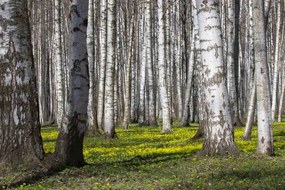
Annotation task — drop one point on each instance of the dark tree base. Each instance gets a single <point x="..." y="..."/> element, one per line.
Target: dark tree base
<point x="221" y="150"/>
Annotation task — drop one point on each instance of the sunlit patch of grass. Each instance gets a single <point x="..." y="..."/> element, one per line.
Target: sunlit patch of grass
<point x="49" y="135"/>
<point x="148" y="141"/>
<point x="139" y="141"/>
<point x="143" y="158"/>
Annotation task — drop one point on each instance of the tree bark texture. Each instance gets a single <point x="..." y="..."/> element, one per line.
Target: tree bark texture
<point x="217" y="115"/>
<point x="69" y="145"/>
<point x="20" y="136"/>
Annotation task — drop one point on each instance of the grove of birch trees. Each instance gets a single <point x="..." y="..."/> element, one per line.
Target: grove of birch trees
<point x="92" y="66"/>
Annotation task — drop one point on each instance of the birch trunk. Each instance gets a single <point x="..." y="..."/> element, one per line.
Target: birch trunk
<point x="191" y="60"/>
<point x="102" y="67"/>
<point x="150" y="77"/>
<point x="164" y="99"/>
<point x="20" y="136"/>
<point x="250" y="115"/>
<point x="131" y="25"/>
<point x="58" y="68"/>
<point x="219" y="138"/>
<point x="91" y="46"/>
<point x="276" y="62"/>
<point x="109" y="114"/>
<point x="265" y="138"/>
<point x="69" y="145"/>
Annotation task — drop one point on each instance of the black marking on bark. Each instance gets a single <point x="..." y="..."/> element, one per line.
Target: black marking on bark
<point x="76" y="29"/>
<point x="262" y="140"/>
<point x="73" y="9"/>
<point x="3" y="6"/>
<point x="76" y="66"/>
<point x="85" y="22"/>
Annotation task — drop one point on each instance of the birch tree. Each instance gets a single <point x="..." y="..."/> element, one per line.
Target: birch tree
<point x="69" y="145"/>
<point x="102" y="63"/>
<point x="109" y="124"/>
<point x="92" y="49"/>
<point x="20" y="136"/>
<point x="164" y="99"/>
<point x="276" y="60"/>
<point x="218" y="125"/>
<point x="265" y="138"/>
<point x="58" y="64"/>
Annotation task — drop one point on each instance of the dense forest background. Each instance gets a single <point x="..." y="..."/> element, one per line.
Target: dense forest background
<point x="91" y="67"/>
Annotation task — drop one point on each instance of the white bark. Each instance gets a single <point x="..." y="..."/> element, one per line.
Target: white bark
<point x="58" y="68"/>
<point x="149" y="65"/>
<point x="102" y="65"/>
<point x="143" y="64"/>
<point x="69" y="145"/>
<point x="109" y="124"/>
<point x="265" y="138"/>
<point x="250" y="114"/>
<point x="19" y="122"/>
<point x="166" y="120"/>
<point x="276" y="61"/>
<point x="218" y="125"/>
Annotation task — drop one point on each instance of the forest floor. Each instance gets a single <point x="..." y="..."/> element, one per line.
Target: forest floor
<point x="143" y="158"/>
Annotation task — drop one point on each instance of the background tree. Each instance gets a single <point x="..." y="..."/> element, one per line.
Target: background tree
<point x="265" y="138"/>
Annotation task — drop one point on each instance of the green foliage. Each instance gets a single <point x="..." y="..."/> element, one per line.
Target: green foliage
<point x="143" y="158"/>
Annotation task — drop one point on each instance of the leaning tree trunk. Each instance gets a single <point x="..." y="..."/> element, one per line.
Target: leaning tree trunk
<point x="69" y="145"/>
<point x="20" y="136"/>
<point x="219" y="137"/>
<point x="250" y="115"/>
<point x="265" y="137"/>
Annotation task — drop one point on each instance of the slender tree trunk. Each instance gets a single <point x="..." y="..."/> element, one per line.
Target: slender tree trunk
<point x="250" y="115"/>
<point x="102" y="69"/>
<point x="191" y="60"/>
<point x="58" y="69"/>
<point x="91" y="47"/>
<point x="281" y="97"/>
<point x="164" y="99"/>
<point x="265" y="138"/>
<point x="276" y="61"/>
<point x="109" y="123"/>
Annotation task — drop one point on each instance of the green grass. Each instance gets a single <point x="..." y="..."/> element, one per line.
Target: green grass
<point x="143" y="158"/>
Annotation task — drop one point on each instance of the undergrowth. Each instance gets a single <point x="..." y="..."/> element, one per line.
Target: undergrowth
<point x="143" y="158"/>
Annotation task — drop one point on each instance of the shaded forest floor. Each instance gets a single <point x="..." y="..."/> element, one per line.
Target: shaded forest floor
<point x="143" y="158"/>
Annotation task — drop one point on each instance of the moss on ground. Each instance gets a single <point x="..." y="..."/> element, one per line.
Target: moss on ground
<point x="143" y="158"/>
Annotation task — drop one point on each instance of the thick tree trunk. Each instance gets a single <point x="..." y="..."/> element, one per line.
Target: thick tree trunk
<point x="69" y="145"/>
<point x="20" y="136"/>
<point x="219" y="137"/>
